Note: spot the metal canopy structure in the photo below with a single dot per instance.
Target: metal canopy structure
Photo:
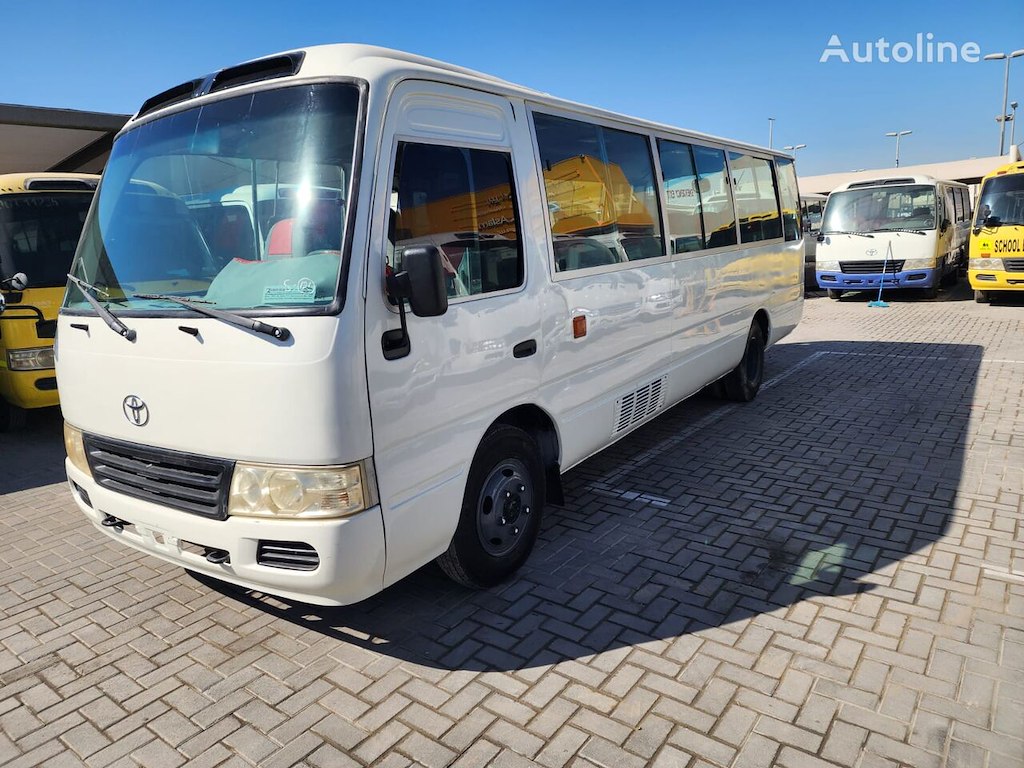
(46, 139)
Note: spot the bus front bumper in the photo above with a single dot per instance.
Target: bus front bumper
(350, 549)
(29, 389)
(845, 281)
(995, 280)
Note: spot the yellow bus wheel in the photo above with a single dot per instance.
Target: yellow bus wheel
(11, 417)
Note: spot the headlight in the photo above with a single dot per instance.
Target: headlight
(990, 265)
(30, 359)
(824, 265)
(918, 264)
(75, 448)
(303, 492)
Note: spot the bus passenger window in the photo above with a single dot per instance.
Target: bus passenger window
(600, 187)
(717, 213)
(756, 201)
(789, 197)
(463, 202)
(682, 196)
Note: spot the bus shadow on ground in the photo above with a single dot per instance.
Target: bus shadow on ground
(848, 461)
(33, 455)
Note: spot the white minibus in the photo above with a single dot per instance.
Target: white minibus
(342, 311)
(899, 232)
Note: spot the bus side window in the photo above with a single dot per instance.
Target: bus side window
(599, 183)
(462, 201)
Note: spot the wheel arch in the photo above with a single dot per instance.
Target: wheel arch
(538, 423)
(761, 318)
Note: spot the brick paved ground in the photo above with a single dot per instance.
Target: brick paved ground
(831, 575)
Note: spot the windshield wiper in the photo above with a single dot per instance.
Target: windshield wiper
(821, 235)
(903, 229)
(196, 305)
(90, 292)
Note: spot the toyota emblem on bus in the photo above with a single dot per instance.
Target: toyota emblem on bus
(135, 410)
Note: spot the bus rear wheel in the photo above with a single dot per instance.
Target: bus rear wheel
(981, 297)
(743, 383)
(501, 510)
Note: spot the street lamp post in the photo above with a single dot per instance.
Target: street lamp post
(771, 130)
(794, 147)
(1006, 88)
(1013, 120)
(897, 134)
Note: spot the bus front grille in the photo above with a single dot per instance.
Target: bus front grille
(195, 484)
(1014, 265)
(871, 267)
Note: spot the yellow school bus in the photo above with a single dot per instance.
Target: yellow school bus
(41, 218)
(996, 260)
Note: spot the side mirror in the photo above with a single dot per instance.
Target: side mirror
(421, 281)
(3, 303)
(945, 225)
(16, 282)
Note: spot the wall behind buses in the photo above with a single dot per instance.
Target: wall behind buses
(41, 218)
(997, 240)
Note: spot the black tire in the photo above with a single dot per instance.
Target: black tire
(12, 418)
(501, 510)
(932, 292)
(834, 293)
(981, 297)
(742, 384)
(951, 278)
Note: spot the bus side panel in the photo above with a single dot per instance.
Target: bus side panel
(629, 355)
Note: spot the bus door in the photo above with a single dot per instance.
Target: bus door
(447, 178)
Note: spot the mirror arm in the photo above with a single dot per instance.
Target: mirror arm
(395, 343)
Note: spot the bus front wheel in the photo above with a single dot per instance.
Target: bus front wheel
(12, 417)
(743, 383)
(833, 293)
(501, 510)
(981, 297)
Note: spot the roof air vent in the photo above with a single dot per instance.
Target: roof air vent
(254, 71)
(170, 96)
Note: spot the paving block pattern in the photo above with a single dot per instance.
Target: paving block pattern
(832, 575)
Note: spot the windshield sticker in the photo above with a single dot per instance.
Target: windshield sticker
(301, 291)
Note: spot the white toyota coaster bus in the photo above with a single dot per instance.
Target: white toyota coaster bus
(899, 232)
(339, 312)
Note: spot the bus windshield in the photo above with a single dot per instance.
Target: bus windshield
(1002, 202)
(38, 235)
(240, 203)
(877, 209)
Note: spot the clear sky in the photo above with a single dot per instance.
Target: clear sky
(720, 67)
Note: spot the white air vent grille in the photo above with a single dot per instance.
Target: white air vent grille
(639, 406)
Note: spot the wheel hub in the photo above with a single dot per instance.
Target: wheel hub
(504, 507)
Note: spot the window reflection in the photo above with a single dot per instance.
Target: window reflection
(600, 193)
(461, 201)
(754, 192)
